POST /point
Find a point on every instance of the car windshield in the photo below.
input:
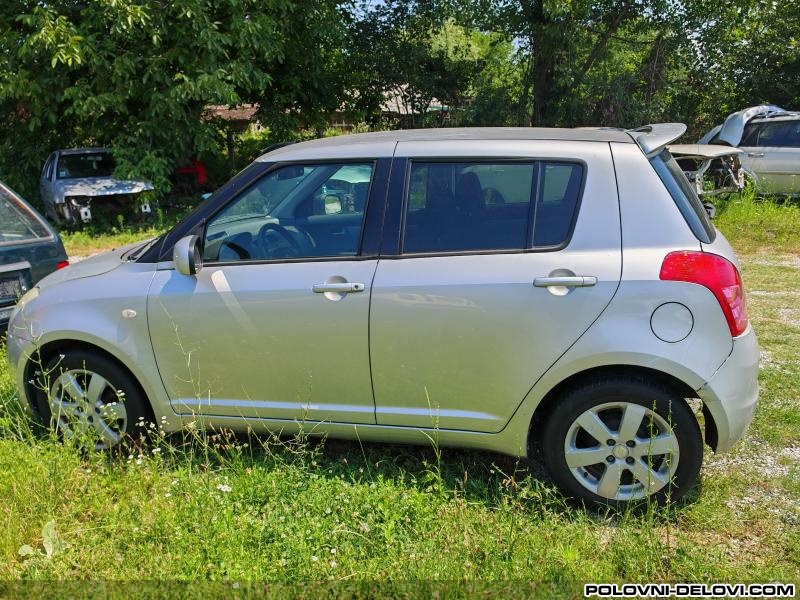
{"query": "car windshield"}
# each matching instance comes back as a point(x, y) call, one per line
point(17, 222)
point(90, 164)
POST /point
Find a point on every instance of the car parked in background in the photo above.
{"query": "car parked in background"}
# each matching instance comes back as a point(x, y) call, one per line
point(550, 292)
point(769, 137)
point(72, 181)
point(29, 250)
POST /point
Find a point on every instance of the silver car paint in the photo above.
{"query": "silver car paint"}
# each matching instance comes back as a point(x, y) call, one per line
point(95, 187)
point(88, 305)
point(731, 131)
point(775, 169)
point(266, 344)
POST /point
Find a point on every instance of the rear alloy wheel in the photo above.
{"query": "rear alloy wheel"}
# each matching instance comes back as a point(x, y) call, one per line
point(615, 442)
point(90, 398)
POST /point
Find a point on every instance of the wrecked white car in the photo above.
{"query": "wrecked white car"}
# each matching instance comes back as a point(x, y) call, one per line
point(710, 168)
point(769, 137)
point(73, 180)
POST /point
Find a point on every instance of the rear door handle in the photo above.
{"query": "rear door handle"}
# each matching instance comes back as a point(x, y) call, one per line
point(568, 281)
point(338, 288)
point(755, 154)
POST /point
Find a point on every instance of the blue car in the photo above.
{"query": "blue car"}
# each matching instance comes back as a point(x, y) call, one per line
point(29, 249)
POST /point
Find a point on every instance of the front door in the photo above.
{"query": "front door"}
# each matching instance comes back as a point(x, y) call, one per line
point(490, 285)
point(772, 152)
point(275, 324)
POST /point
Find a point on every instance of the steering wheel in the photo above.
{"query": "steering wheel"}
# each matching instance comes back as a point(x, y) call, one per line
point(290, 248)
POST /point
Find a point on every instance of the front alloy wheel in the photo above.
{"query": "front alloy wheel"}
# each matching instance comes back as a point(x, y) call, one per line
point(85, 403)
point(90, 398)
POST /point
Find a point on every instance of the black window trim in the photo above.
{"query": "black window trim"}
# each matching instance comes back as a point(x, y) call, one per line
point(491, 160)
point(359, 256)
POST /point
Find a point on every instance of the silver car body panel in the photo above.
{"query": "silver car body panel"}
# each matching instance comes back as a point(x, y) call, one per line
point(461, 348)
point(774, 169)
point(96, 187)
point(731, 131)
point(231, 341)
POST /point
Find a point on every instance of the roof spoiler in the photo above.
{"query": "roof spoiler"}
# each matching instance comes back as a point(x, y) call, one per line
point(653, 138)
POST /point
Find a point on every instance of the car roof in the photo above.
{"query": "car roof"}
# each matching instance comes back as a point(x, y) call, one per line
point(785, 116)
point(454, 134)
point(83, 150)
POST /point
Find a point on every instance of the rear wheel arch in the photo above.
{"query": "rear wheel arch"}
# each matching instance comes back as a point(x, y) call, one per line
point(550, 400)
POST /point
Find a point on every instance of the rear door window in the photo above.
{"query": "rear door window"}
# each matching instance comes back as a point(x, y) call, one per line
point(776, 134)
point(487, 206)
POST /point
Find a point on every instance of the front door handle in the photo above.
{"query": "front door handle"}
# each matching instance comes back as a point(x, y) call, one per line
point(566, 281)
point(755, 154)
point(338, 288)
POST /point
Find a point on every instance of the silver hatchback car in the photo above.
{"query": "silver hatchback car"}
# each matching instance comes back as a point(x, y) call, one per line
point(526, 291)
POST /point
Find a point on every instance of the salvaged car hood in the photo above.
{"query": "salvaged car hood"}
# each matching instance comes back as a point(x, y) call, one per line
point(730, 132)
point(89, 267)
point(702, 150)
point(100, 186)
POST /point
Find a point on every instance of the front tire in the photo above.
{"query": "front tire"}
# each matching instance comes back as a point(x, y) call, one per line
point(87, 396)
point(615, 442)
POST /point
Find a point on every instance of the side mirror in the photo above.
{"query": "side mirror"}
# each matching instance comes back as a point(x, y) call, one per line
point(187, 256)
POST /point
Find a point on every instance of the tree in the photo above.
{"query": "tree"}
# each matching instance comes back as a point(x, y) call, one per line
point(137, 75)
point(411, 52)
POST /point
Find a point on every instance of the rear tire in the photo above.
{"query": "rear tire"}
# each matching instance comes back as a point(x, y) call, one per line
point(622, 441)
point(87, 396)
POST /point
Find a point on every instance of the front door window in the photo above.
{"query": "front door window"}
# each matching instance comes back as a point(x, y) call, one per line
point(296, 211)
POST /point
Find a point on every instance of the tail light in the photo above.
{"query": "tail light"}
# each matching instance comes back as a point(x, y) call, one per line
point(62, 264)
point(717, 274)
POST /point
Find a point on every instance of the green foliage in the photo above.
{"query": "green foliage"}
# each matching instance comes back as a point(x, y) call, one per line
point(138, 75)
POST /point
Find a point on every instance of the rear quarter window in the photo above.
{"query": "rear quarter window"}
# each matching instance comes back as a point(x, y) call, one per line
point(684, 196)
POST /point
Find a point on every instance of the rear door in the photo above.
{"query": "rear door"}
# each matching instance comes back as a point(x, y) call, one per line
point(491, 268)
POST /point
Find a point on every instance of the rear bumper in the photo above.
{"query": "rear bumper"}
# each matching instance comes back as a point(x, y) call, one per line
point(732, 392)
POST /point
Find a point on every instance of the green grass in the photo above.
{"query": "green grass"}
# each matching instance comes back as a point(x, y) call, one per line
point(383, 520)
point(104, 233)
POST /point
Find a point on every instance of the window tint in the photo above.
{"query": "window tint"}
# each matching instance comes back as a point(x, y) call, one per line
point(462, 207)
point(559, 190)
point(684, 195)
point(750, 135)
point(95, 164)
point(17, 222)
point(297, 211)
point(779, 133)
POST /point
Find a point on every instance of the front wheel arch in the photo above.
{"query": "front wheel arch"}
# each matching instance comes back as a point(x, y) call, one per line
point(42, 356)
